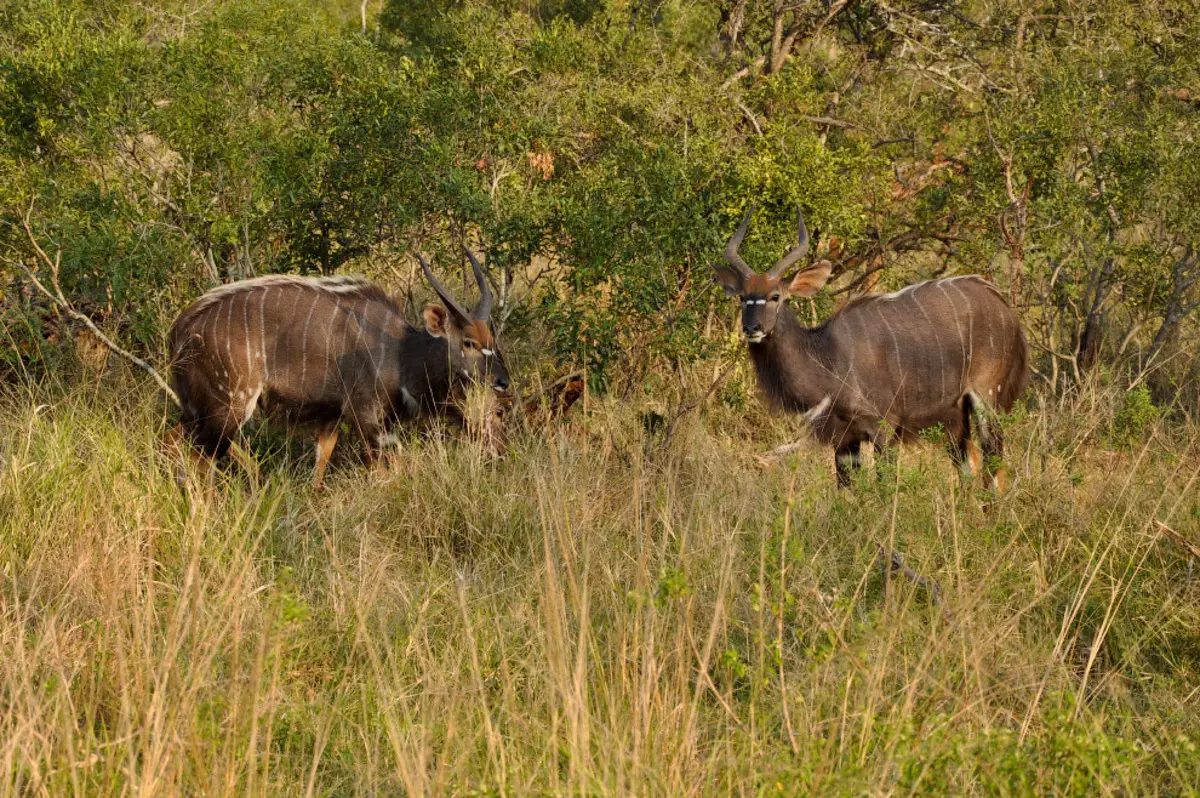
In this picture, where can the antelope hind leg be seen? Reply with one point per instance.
(966, 456)
(326, 440)
(991, 439)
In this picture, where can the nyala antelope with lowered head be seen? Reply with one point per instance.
(319, 351)
(947, 351)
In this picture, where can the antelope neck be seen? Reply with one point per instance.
(792, 363)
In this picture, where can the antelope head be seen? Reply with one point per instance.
(762, 295)
(474, 354)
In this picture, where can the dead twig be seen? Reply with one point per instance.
(60, 300)
(750, 116)
(557, 397)
(895, 564)
(829, 121)
(685, 409)
(1179, 539)
(767, 458)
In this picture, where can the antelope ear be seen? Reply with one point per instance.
(808, 282)
(728, 279)
(437, 318)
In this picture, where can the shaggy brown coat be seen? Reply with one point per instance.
(317, 351)
(883, 367)
(934, 353)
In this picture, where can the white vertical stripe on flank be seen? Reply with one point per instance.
(970, 353)
(209, 317)
(892, 333)
(360, 319)
(362, 326)
(262, 331)
(304, 342)
(291, 318)
(228, 337)
(962, 344)
(343, 318)
(937, 340)
(382, 354)
(853, 348)
(246, 335)
(327, 343)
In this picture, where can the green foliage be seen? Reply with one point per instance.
(1135, 417)
(601, 153)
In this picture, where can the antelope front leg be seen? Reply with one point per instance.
(326, 440)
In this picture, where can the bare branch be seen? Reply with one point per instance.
(828, 121)
(750, 116)
(1179, 539)
(767, 458)
(685, 409)
(58, 298)
(895, 564)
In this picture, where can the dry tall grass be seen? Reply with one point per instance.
(595, 614)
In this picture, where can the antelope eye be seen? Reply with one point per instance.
(775, 297)
(469, 344)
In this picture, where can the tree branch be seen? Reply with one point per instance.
(58, 298)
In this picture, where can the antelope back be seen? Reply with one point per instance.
(924, 348)
(305, 340)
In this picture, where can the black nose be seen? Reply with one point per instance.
(501, 383)
(747, 329)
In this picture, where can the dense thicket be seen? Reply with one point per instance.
(601, 151)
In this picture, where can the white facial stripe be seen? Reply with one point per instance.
(761, 302)
(488, 352)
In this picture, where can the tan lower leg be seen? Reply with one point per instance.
(974, 458)
(180, 451)
(325, 443)
(999, 480)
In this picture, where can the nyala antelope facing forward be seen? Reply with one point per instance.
(319, 351)
(947, 351)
